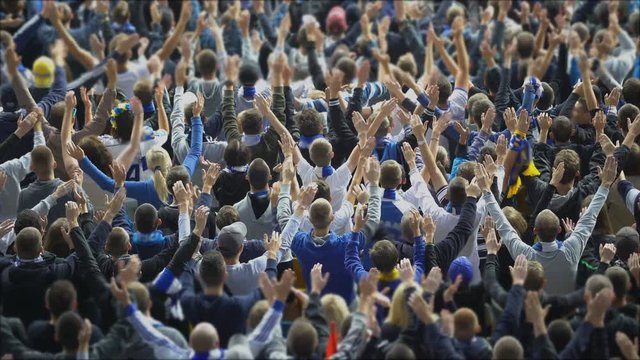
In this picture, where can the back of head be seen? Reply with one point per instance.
(348, 68)
(53, 240)
(60, 297)
(141, 294)
(122, 122)
(480, 107)
(212, 269)
(250, 121)
(143, 90)
(457, 190)
(384, 256)
(473, 99)
(257, 312)
(516, 219)
(627, 242)
(56, 115)
(320, 214)
(97, 152)
(42, 161)
(175, 174)
(603, 225)
(560, 333)
(236, 154)
(258, 174)
(249, 73)
(508, 348)
(561, 128)
(302, 339)
(390, 174)
(627, 112)
(227, 215)
(26, 218)
(29, 243)
(385, 126)
(444, 86)
(534, 281)
(631, 91)
(525, 45)
(465, 324)
(118, 242)
(321, 152)
(310, 122)
(204, 338)
(146, 217)
(632, 166)
(324, 190)
(206, 63)
(466, 170)
(547, 226)
(121, 12)
(571, 164)
(547, 98)
(597, 282)
(620, 280)
(400, 351)
(67, 329)
(335, 308)
(407, 63)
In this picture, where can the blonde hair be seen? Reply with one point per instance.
(320, 152)
(335, 309)
(399, 311)
(159, 162)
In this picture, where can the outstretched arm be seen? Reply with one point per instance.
(129, 154)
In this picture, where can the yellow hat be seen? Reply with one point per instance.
(43, 72)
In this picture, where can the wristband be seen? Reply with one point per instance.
(520, 134)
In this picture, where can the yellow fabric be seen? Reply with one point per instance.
(390, 276)
(530, 170)
(43, 72)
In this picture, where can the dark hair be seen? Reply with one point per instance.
(400, 351)
(175, 174)
(53, 240)
(488, 150)
(41, 159)
(324, 191)
(146, 217)
(457, 191)
(561, 128)
(631, 91)
(258, 174)
(60, 297)
(634, 23)
(166, 20)
(251, 121)
(236, 154)
(249, 73)
(384, 255)
(143, 89)
(444, 86)
(121, 12)
(560, 333)
(26, 218)
(547, 98)
(124, 125)
(97, 152)
(571, 164)
(207, 62)
(227, 215)
(348, 67)
(627, 111)
(480, 107)
(627, 242)
(56, 115)
(467, 170)
(302, 339)
(310, 122)
(212, 268)
(68, 327)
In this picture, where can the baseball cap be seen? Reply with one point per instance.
(461, 266)
(231, 238)
(43, 72)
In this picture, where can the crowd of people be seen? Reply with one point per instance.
(353, 179)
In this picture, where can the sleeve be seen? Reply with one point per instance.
(304, 169)
(184, 227)
(355, 341)
(98, 237)
(507, 234)
(449, 248)
(263, 333)
(96, 127)
(373, 212)
(578, 239)
(419, 249)
(178, 135)
(56, 92)
(352, 261)
(509, 322)
(163, 347)
(490, 280)
(439, 344)
(315, 314)
(230, 125)
(195, 150)
(544, 348)
(283, 208)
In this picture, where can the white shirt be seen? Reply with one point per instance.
(128, 79)
(338, 181)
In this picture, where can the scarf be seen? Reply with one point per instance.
(389, 194)
(390, 276)
(305, 141)
(251, 140)
(542, 246)
(149, 108)
(19, 261)
(523, 161)
(236, 169)
(390, 151)
(249, 92)
(154, 237)
(324, 172)
(260, 194)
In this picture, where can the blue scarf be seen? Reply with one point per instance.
(149, 108)
(154, 237)
(236, 169)
(324, 172)
(249, 92)
(260, 194)
(305, 141)
(390, 149)
(538, 246)
(251, 140)
(389, 194)
(19, 261)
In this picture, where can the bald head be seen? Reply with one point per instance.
(321, 214)
(508, 347)
(204, 338)
(547, 226)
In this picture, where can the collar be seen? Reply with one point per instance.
(260, 194)
(389, 194)
(305, 141)
(390, 276)
(155, 236)
(251, 140)
(19, 261)
(382, 141)
(324, 172)
(249, 92)
(236, 169)
(547, 246)
(149, 108)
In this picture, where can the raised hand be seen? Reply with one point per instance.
(488, 230)
(462, 131)
(487, 119)
(372, 171)
(607, 145)
(510, 119)
(519, 270)
(359, 218)
(406, 270)
(491, 166)
(211, 176)
(608, 175)
(422, 309)
(318, 281)
(6, 226)
(72, 211)
(409, 155)
(272, 244)
(633, 264)
(482, 178)
(628, 348)
(545, 121)
(360, 124)
(114, 204)
(429, 228)
(440, 125)
(75, 151)
(607, 253)
(307, 195)
(599, 122)
(120, 294)
(136, 107)
(433, 280)
(452, 289)
(130, 272)
(180, 193)
(262, 104)
(118, 172)
(202, 214)
(433, 93)
(524, 121)
(568, 225)
(557, 175)
(613, 98)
